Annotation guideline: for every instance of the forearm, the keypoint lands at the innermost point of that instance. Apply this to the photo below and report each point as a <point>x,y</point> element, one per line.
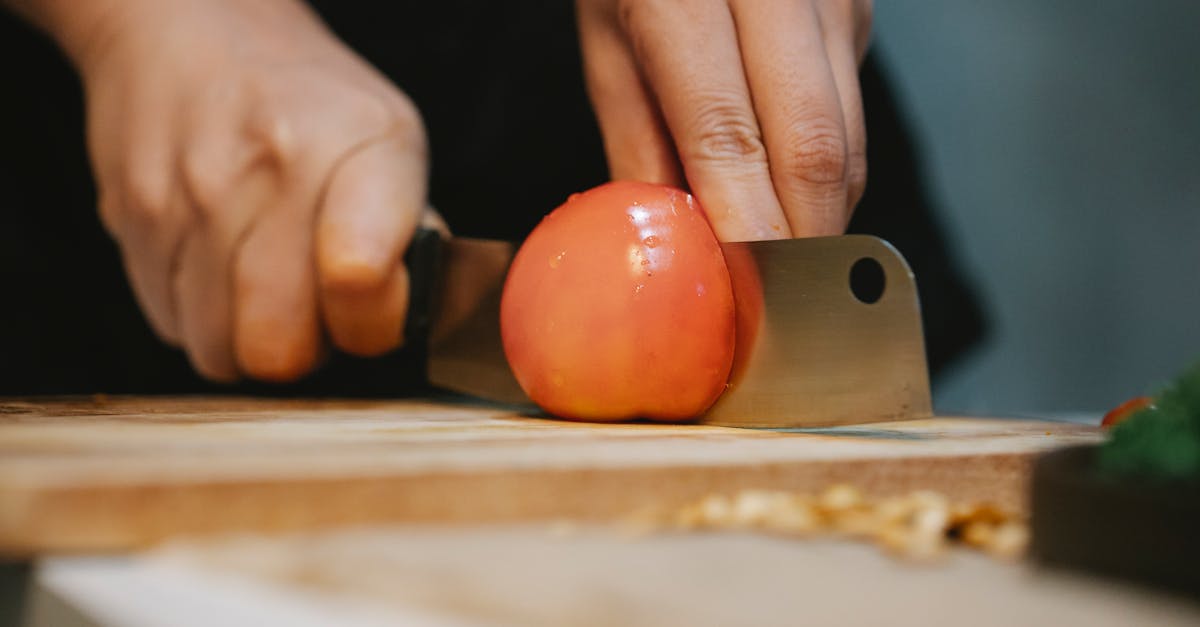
<point>77,25</point>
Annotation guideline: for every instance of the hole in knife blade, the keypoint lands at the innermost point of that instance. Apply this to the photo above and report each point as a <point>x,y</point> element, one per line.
<point>867,280</point>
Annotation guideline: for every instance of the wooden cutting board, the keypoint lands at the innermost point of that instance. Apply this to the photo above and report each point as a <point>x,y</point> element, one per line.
<point>118,473</point>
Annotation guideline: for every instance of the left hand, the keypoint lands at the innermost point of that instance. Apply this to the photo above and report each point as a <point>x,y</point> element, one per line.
<point>755,103</point>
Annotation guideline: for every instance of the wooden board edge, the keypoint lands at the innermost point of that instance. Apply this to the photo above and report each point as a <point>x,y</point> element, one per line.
<point>72,520</point>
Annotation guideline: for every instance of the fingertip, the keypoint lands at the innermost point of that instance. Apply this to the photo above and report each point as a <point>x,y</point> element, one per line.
<point>347,270</point>
<point>224,372</point>
<point>276,358</point>
<point>276,331</point>
<point>368,323</point>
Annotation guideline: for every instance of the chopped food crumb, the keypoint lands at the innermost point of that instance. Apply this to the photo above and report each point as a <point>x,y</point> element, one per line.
<point>921,525</point>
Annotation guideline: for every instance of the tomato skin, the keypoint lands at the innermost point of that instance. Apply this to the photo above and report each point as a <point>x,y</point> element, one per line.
<point>619,306</point>
<point>1123,411</point>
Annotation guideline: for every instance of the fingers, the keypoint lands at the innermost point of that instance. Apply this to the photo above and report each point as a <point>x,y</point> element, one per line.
<point>846,30</point>
<point>692,62</point>
<point>223,209</point>
<point>140,209</point>
<point>201,289</point>
<point>262,255</point>
<point>371,209</point>
<point>797,101</point>
<point>636,142</point>
<point>276,330</point>
<point>761,102</point>
<point>213,168</point>
<point>149,257</point>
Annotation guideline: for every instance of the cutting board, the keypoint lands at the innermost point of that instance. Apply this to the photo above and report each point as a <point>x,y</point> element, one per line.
<point>119,473</point>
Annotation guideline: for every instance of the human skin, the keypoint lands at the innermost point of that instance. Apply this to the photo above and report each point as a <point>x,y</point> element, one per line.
<point>262,181</point>
<point>752,104</point>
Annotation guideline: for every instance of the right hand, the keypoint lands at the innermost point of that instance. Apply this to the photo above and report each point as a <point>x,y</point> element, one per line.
<point>261,180</point>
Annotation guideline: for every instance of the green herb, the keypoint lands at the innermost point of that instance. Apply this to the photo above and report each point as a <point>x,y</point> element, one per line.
<point>1161,441</point>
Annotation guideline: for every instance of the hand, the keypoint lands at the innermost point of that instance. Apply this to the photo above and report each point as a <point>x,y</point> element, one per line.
<point>261,180</point>
<point>754,102</point>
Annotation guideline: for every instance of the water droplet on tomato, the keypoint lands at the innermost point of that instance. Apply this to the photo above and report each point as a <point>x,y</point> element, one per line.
<point>700,289</point>
<point>557,259</point>
<point>638,215</point>
<point>637,289</point>
<point>651,241</point>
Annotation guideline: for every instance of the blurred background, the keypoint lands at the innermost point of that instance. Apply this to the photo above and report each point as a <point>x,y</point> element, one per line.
<point>1061,142</point>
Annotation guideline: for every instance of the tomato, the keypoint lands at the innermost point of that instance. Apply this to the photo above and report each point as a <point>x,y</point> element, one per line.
<point>1125,410</point>
<point>619,306</point>
<point>748,302</point>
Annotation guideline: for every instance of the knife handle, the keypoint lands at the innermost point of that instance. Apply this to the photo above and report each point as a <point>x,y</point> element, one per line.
<point>424,261</point>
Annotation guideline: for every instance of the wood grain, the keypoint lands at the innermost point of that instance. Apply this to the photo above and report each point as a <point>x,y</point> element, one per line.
<point>117,473</point>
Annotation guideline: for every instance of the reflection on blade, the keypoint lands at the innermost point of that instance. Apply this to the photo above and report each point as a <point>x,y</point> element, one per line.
<point>465,351</point>
<point>811,353</point>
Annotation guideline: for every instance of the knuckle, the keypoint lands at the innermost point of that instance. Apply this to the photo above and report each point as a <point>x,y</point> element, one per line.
<point>818,157</point>
<point>109,211</point>
<point>289,134</point>
<point>412,130</point>
<point>146,192</point>
<point>277,132</point>
<point>374,114</point>
<point>207,183</point>
<point>628,12</point>
<point>726,132</point>
<point>403,120</point>
<point>401,111</point>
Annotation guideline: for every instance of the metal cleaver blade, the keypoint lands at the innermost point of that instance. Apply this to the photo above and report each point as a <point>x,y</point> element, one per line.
<point>828,329</point>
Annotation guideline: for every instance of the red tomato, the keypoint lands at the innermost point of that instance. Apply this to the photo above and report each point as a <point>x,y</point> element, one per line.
<point>748,301</point>
<point>619,306</point>
<point>1125,410</point>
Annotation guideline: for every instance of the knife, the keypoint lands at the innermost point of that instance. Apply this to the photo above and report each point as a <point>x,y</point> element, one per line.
<point>828,329</point>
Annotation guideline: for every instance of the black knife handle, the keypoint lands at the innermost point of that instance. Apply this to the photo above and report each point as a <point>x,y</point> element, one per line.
<point>424,262</point>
